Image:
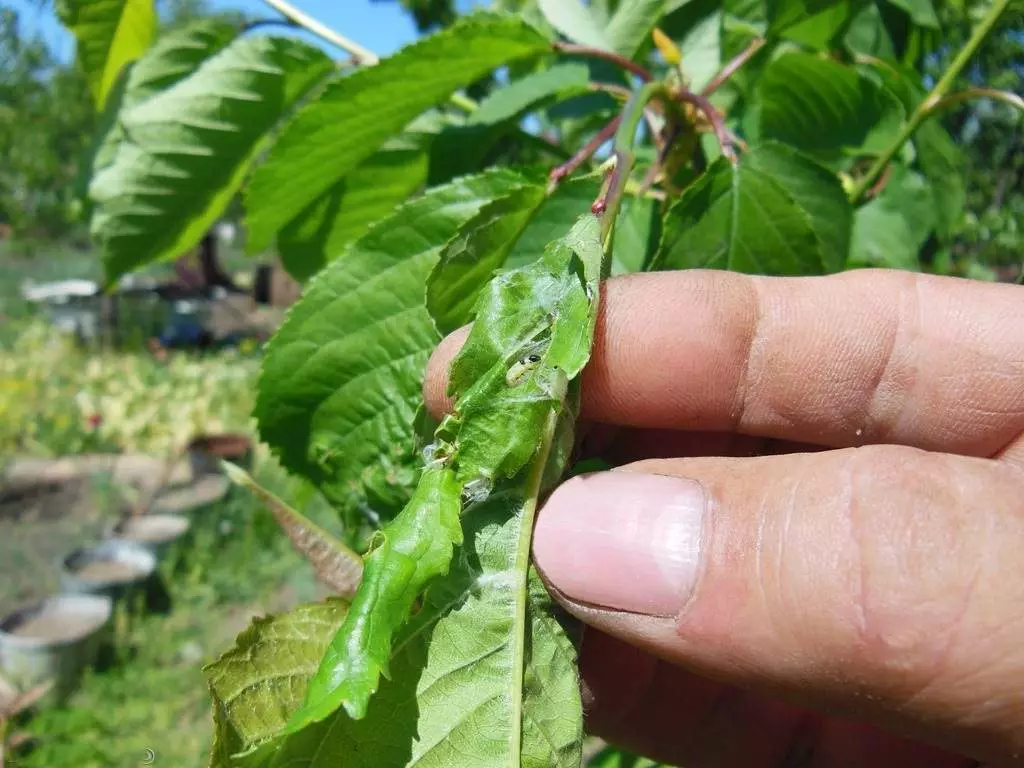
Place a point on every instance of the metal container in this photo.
(111, 568)
(153, 532)
(205, 452)
(54, 639)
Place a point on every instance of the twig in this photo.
(607, 204)
(571, 49)
(585, 152)
(714, 117)
(730, 69)
(867, 181)
(1007, 97)
(362, 55)
(618, 91)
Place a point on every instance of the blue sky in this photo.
(382, 27)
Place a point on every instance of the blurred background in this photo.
(101, 401)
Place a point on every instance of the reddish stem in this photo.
(730, 69)
(585, 153)
(571, 49)
(715, 118)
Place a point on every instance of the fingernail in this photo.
(623, 540)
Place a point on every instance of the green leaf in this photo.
(743, 219)
(533, 333)
(890, 230)
(825, 107)
(172, 58)
(921, 12)
(110, 34)
(574, 21)
(702, 51)
(868, 35)
(263, 678)
(937, 155)
(471, 258)
(341, 379)
(413, 549)
(345, 212)
(568, 202)
(455, 674)
(631, 24)
(783, 14)
(816, 190)
(820, 30)
(176, 55)
(532, 92)
(357, 113)
(636, 235)
(742, 21)
(161, 192)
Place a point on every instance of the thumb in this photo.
(882, 582)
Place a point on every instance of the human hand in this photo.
(816, 541)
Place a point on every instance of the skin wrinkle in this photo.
(739, 410)
(894, 347)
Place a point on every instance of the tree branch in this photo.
(935, 97)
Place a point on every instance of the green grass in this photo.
(237, 565)
(154, 697)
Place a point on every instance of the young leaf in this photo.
(263, 678)
(825, 107)
(345, 212)
(341, 378)
(161, 192)
(745, 219)
(471, 258)
(110, 34)
(528, 93)
(335, 565)
(357, 113)
(413, 549)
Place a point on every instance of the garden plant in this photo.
(787, 137)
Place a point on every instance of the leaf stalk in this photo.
(572, 49)
(733, 66)
(931, 101)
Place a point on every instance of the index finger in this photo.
(870, 356)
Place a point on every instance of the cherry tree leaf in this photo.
(772, 214)
(357, 113)
(160, 192)
(340, 382)
(110, 34)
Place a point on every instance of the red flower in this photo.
(95, 420)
